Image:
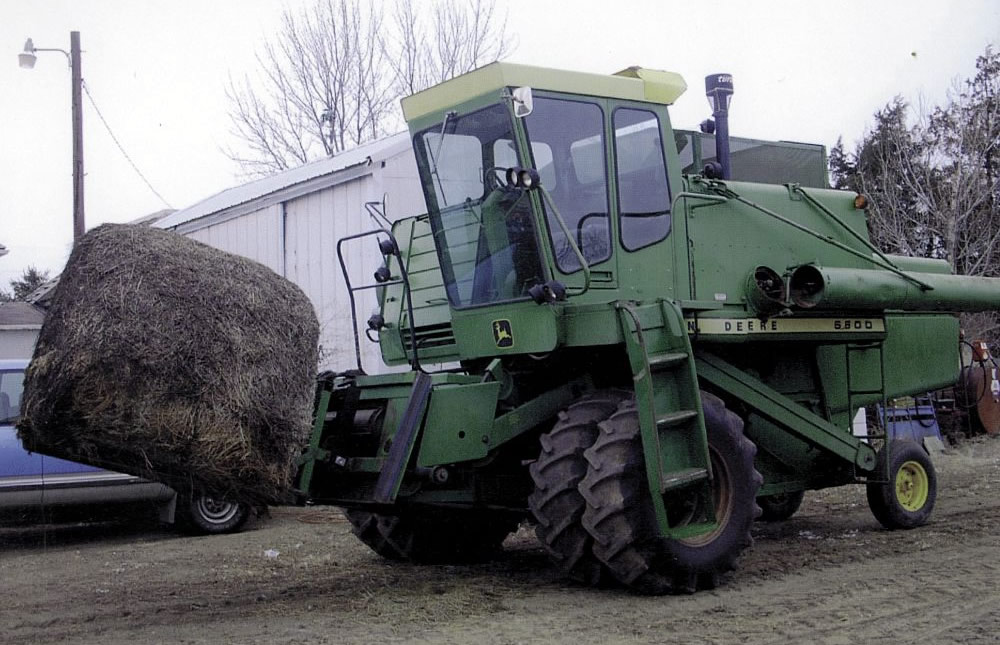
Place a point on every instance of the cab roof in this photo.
(633, 84)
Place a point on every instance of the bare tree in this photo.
(933, 177)
(332, 76)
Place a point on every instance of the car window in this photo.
(11, 388)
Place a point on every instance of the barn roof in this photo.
(330, 171)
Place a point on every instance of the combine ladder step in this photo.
(674, 419)
(666, 361)
(679, 478)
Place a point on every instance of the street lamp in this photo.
(26, 59)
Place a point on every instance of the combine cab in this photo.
(635, 359)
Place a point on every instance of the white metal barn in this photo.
(291, 221)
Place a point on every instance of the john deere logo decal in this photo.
(502, 333)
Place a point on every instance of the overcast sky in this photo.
(157, 69)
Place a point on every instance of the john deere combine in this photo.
(638, 360)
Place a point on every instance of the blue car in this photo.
(29, 480)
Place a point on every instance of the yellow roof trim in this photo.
(633, 84)
(660, 86)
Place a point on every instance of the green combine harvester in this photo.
(639, 361)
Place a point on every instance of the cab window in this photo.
(643, 191)
(567, 141)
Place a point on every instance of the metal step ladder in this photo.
(670, 414)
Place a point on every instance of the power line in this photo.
(118, 143)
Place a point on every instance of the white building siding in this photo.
(256, 236)
(400, 184)
(291, 222)
(313, 225)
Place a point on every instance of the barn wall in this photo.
(256, 236)
(298, 238)
(400, 183)
(313, 225)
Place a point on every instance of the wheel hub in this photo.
(722, 502)
(216, 511)
(912, 486)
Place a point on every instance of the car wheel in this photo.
(204, 514)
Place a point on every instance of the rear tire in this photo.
(906, 500)
(556, 501)
(433, 536)
(781, 506)
(620, 514)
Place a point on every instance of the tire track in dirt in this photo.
(919, 599)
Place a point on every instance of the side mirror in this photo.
(522, 101)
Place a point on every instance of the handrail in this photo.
(715, 199)
(415, 362)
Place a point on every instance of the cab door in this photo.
(569, 149)
(643, 176)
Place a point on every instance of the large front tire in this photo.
(432, 536)
(906, 499)
(556, 501)
(620, 514)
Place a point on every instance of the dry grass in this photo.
(168, 359)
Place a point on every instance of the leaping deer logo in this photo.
(502, 333)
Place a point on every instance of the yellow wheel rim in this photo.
(912, 486)
(722, 499)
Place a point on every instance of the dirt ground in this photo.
(829, 575)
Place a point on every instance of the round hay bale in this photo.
(171, 360)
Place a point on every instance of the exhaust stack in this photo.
(719, 90)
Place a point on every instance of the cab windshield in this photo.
(484, 230)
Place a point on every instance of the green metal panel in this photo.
(589, 325)
(513, 328)
(783, 412)
(538, 410)
(865, 369)
(921, 353)
(790, 463)
(313, 451)
(729, 240)
(458, 421)
(431, 313)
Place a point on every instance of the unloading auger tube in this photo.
(815, 287)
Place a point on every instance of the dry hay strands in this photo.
(169, 359)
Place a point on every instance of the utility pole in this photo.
(26, 59)
(77, 82)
